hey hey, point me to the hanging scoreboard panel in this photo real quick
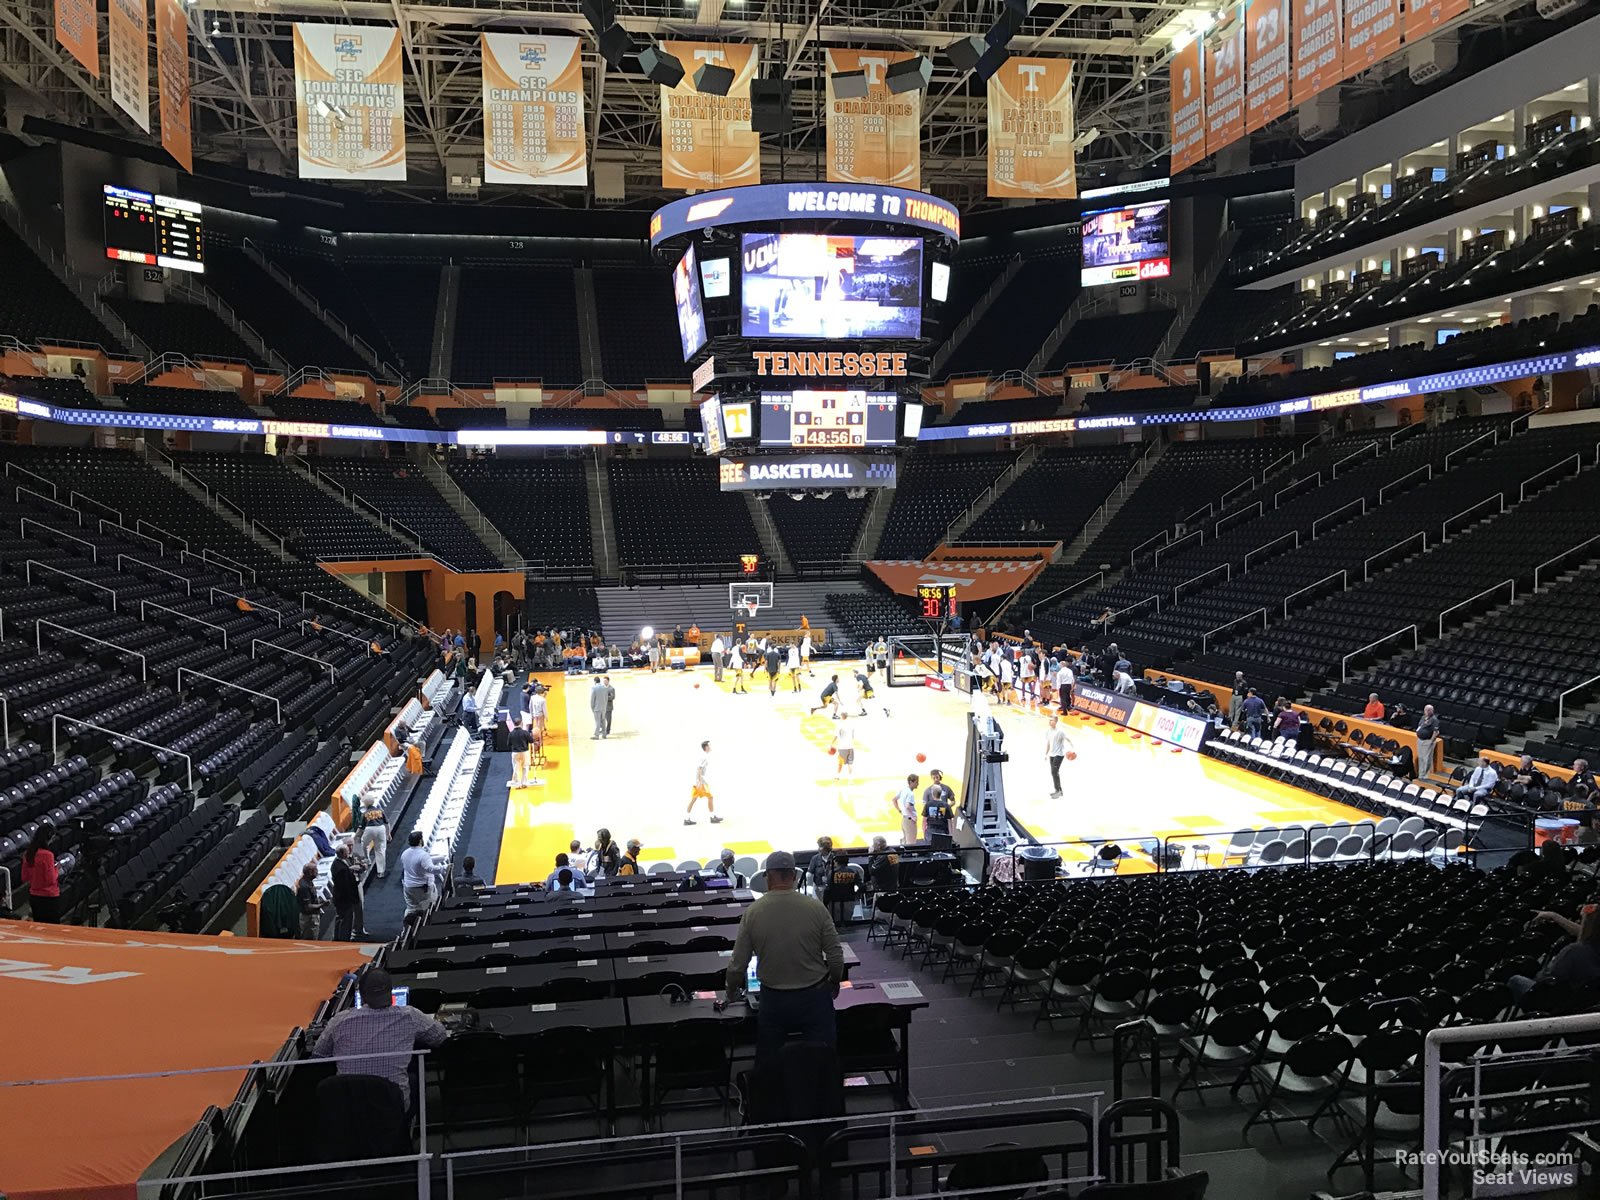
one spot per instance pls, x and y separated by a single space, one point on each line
937 601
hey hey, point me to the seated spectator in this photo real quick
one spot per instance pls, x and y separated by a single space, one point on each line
883 865
379 1037
563 863
1582 775
820 868
1529 775
1374 709
1575 966
1589 831
630 858
1481 782
724 868
576 858
563 883
469 873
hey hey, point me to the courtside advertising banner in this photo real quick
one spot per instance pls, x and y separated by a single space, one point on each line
128 50
1371 32
1266 96
1225 85
876 138
1318 47
349 102
706 141
172 73
533 130
1188 107
1031 130
1422 18
77 26
1179 729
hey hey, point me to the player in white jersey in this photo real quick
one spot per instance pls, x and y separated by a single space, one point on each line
1027 680
736 665
805 654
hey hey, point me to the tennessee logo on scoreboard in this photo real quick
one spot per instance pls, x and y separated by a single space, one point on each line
736 421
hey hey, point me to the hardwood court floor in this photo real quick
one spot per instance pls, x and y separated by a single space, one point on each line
776 785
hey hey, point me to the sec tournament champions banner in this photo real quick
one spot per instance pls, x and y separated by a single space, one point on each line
1422 17
1030 130
349 102
1371 32
128 50
172 72
533 129
1225 86
1318 47
77 25
706 141
1188 108
1266 96
877 138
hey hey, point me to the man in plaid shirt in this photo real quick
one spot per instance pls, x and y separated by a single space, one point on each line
380 1027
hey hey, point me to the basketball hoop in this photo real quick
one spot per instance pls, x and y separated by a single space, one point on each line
750 608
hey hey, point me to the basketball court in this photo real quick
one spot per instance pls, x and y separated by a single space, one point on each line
776 785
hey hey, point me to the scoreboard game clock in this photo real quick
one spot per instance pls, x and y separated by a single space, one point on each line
937 601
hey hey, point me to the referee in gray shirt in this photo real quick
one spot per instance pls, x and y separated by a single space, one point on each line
800 962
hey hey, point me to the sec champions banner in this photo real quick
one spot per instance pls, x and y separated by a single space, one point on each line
172 72
1030 130
1188 108
128 50
706 141
77 26
1266 96
533 129
1225 84
1318 47
876 139
349 103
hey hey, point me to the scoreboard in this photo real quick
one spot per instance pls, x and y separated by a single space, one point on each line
847 419
937 601
159 231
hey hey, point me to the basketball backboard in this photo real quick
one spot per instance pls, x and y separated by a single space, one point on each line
743 593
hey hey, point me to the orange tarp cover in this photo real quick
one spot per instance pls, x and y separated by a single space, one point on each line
95 1002
975 579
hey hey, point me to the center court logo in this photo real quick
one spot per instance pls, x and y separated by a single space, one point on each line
348 47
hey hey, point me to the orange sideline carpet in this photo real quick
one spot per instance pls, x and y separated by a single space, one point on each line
82 1003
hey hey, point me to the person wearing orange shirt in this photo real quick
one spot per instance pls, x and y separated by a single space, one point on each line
1374 709
694 634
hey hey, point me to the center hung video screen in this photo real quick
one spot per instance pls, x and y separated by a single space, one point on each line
691 310
822 420
806 285
1124 245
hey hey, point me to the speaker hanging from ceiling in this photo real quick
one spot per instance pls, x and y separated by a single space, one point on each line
712 80
660 67
849 85
616 45
769 106
909 75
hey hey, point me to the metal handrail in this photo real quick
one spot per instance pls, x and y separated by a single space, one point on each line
182 671
1244 485
304 607
14 468
1561 700
1328 516
1444 526
38 644
1286 457
188 584
1395 437
1209 508
1293 533
1384 490
1205 638
1228 567
30 564
1315 479
1344 663
1334 470
184 556
19 492
1340 575
1562 556
1165 535
1173 545
1366 572
332 676
140 523
22 528
1033 609
72 496
1260 509
1522 492
1465 446
144 604
55 741
1106 624
133 533
208 555
215 592
321 628
1510 583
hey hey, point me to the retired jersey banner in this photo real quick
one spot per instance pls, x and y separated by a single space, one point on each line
1225 85
878 137
1266 95
349 102
172 73
706 141
1422 17
1188 86
77 29
1371 32
533 130
128 51
1318 47
1030 130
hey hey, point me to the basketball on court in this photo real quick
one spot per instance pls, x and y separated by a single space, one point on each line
832 750
1071 754
922 758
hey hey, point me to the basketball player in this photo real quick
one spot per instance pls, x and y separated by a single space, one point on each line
844 747
736 663
1027 680
774 663
1057 746
830 696
702 789
794 667
805 653
1007 675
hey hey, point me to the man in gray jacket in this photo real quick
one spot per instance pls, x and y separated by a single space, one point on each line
601 698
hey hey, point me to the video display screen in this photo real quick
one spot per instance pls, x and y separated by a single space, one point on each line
805 285
1123 245
818 420
714 278
159 231
691 310
939 282
711 425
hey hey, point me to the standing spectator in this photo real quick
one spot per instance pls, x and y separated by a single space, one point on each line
520 739
1236 699
718 650
605 859
609 695
597 707
416 874
630 858
1055 748
1287 723
677 636
375 835
1254 709
1427 741
938 806
820 868
40 874
1374 709
346 895
310 903
906 804
474 645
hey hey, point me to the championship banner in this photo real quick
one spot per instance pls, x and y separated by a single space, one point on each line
1266 96
349 102
878 138
77 30
1031 130
1225 85
128 50
1422 16
533 130
706 141
172 74
1318 47
1188 107
1371 33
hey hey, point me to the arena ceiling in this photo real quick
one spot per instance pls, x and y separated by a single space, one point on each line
243 89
